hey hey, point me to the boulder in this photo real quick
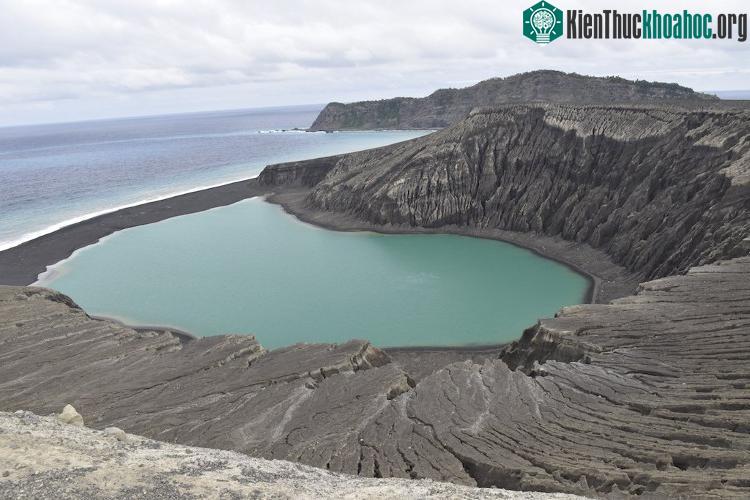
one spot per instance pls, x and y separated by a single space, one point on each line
116 433
69 415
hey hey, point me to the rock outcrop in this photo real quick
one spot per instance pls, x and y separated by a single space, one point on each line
447 106
306 173
69 415
39 458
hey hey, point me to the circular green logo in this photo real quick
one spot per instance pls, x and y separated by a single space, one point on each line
542 22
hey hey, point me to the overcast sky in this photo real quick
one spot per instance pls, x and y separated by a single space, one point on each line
63 60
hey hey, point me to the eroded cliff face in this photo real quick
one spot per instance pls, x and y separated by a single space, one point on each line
658 189
447 106
305 173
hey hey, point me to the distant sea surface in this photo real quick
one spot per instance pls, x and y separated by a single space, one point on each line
58 174
732 94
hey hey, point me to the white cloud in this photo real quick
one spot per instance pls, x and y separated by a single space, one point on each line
68 59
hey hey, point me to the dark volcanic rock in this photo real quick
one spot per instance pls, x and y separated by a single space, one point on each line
447 106
657 189
224 391
305 173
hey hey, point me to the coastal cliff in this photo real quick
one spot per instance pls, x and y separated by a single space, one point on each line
305 173
445 107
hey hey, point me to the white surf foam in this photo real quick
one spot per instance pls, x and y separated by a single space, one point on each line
5 245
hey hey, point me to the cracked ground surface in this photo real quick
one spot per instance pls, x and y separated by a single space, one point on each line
43 458
646 396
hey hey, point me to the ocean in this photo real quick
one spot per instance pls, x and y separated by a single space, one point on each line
58 174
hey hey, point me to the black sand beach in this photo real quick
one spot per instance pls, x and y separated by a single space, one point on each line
21 265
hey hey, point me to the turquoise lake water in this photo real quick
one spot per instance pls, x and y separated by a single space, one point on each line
250 268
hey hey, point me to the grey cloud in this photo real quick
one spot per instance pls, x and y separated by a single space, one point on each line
218 50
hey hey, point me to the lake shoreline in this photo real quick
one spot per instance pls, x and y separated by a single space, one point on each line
607 280
418 361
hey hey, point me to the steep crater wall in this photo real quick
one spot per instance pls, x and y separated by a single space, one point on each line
658 189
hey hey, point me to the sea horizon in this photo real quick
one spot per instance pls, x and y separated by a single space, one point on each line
319 106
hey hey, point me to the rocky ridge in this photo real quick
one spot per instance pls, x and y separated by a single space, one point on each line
445 107
42 458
